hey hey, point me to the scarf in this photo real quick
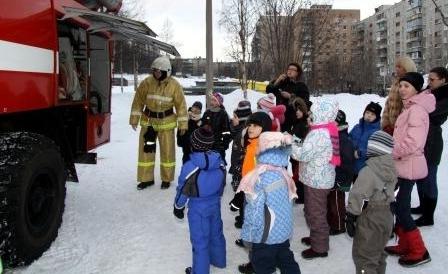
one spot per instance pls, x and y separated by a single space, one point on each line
334 136
215 109
247 184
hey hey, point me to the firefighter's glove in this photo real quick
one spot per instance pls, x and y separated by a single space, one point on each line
149 140
350 224
237 201
178 212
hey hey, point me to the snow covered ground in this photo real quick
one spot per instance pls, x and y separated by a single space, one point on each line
110 227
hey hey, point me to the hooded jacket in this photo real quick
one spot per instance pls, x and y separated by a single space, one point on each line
434 141
201 178
411 130
315 154
360 135
375 183
268 216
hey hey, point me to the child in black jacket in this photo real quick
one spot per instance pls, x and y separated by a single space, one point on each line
343 180
237 125
194 122
299 129
218 119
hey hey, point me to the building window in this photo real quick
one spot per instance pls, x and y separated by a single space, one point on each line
437 33
397 14
397 24
397 34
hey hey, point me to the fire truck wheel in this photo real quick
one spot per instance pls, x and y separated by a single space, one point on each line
32 194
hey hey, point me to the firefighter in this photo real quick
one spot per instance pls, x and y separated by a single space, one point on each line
153 107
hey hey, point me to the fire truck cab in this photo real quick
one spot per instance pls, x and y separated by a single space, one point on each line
55 106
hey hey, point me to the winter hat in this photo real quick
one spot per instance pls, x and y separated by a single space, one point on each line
375 108
379 143
267 102
243 111
218 96
415 79
197 105
341 119
260 118
202 139
273 139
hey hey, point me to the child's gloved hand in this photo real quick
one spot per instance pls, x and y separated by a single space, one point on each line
237 201
178 212
350 224
296 140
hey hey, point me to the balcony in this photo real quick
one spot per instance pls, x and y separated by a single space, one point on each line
381 46
414 25
414 49
415 4
410 39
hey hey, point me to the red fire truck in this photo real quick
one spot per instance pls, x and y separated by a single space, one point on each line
55 106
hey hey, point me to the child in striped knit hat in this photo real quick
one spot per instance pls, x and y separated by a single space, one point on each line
371 222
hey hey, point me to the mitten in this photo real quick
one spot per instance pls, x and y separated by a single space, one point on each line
350 223
237 201
178 212
149 140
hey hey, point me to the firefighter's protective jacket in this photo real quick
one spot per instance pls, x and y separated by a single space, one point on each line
159 96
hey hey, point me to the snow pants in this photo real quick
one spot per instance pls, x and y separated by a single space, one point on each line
206 234
373 229
316 218
266 258
146 161
336 209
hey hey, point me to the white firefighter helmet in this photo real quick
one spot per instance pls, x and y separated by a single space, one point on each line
162 63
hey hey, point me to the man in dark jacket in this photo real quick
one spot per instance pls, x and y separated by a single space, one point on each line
287 85
343 180
427 187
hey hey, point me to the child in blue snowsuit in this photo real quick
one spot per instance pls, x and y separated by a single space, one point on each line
268 216
368 124
201 184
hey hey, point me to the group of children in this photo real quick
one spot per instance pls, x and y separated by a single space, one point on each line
327 161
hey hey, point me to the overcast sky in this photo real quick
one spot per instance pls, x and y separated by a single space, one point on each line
188 22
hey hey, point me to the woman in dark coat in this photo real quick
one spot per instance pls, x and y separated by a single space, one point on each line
286 86
427 187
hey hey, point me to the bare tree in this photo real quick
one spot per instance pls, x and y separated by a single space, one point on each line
238 17
166 33
288 31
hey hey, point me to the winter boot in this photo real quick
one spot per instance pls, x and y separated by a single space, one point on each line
188 270
428 213
417 253
310 254
402 246
165 185
144 185
306 241
246 268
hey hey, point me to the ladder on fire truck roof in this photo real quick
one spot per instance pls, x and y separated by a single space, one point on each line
121 28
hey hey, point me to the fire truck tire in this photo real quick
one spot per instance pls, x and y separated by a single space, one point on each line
32 195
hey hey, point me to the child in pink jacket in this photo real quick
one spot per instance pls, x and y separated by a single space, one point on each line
411 129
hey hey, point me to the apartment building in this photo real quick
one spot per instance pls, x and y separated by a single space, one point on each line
411 28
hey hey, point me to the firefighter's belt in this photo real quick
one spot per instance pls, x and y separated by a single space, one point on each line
159 115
